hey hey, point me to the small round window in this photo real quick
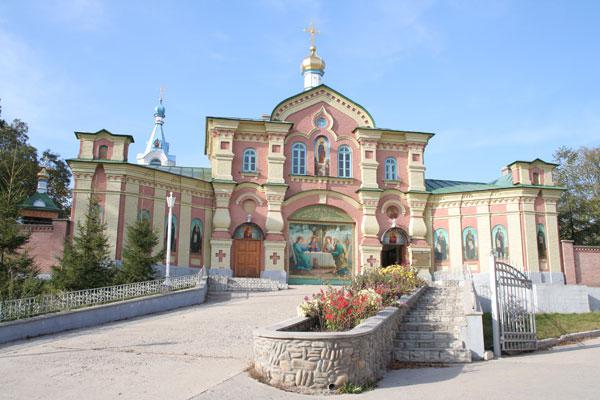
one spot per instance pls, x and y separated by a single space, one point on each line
321 122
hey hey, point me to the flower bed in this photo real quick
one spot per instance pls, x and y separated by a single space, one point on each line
342 309
343 336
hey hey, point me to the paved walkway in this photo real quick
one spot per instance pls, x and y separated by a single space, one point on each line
201 352
175 355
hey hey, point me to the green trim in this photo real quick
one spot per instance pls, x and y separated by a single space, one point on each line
205 171
532 161
77 133
369 190
321 86
430 134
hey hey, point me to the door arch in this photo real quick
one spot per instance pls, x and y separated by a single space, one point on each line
394 248
247 250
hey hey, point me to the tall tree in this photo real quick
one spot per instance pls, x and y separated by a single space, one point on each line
85 262
138 260
17 271
579 206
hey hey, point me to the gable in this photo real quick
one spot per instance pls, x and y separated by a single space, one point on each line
323 94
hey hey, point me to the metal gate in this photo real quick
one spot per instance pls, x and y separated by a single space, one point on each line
514 317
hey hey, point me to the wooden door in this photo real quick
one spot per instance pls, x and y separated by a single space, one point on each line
247 258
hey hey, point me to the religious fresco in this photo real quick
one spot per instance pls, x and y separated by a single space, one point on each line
500 242
196 236
469 236
144 215
394 236
541 241
440 244
323 251
322 156
248 231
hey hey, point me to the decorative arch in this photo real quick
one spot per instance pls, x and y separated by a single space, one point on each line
395 236
196 235
248 230
393 202
246 196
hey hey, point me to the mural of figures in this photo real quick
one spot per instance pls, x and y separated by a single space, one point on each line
440 244
470 243
321 156
144 215
173 233
500 242
248 231
321 251
541 241
394 236
196 236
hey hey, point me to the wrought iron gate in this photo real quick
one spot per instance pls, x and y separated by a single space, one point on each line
515 309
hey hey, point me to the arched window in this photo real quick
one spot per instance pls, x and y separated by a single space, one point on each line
155 161
103 152
249 160
391 172
344 162
298 159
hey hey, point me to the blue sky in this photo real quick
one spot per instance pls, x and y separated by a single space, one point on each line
496 81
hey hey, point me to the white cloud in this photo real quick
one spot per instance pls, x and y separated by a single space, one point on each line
86 15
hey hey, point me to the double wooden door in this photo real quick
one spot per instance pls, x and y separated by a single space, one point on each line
247 258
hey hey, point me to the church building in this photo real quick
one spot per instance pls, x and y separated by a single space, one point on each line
315 192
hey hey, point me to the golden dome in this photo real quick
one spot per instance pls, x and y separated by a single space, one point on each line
313 62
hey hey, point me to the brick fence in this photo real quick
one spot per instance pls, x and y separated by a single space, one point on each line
581 264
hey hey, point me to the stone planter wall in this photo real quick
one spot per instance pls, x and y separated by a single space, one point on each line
287 356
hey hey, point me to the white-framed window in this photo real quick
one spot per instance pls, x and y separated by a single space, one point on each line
298 159
391 170
249 161
344 162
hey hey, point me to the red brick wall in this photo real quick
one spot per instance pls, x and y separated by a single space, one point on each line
45 244
581 264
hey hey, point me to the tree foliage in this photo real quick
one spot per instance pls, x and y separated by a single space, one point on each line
15 148
138 260
18 273
58 182
579 206
85 262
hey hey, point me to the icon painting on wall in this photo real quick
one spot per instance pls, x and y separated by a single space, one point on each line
500 242
323 251
248 231
470 243
440 244
541 241
196 236
321 156
394 236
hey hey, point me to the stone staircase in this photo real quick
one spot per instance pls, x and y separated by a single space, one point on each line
431 332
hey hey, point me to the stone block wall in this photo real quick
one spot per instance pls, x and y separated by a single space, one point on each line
318 361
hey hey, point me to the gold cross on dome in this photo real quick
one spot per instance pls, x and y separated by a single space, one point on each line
312 32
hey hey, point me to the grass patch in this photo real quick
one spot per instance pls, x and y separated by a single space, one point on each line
550 325
350 388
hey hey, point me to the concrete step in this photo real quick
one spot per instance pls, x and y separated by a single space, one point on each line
434 313
425 336
455 319
433 356
430 327
428 344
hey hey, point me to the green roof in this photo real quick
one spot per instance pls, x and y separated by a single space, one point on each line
190 172
439 186
35 201
77 133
